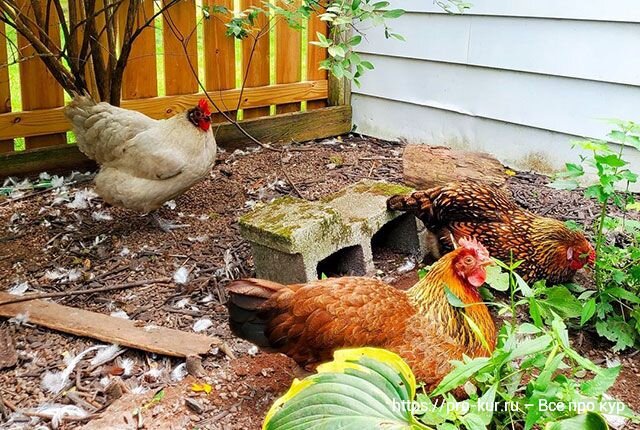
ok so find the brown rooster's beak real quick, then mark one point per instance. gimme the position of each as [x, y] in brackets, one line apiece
[487, 263]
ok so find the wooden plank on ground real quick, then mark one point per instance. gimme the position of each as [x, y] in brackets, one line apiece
[288, 58]
[38, 88]
[299, 126]
[258, 70]
[219, 55]
[5, 92]
[180, 27]
[34, 123]
[110, 329]
[315, 55]
[140, 76]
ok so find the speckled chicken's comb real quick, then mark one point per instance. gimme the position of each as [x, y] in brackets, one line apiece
[476, 246]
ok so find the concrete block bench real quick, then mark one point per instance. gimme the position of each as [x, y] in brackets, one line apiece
[293, 239]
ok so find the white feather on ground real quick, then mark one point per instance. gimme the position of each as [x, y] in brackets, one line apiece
[202, 325]
[54, 382]
[57, 412]
[106, 355]
[181, 276]
[179, 372]
[19, 289]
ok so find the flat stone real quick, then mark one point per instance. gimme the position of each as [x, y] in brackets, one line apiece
[290, 236]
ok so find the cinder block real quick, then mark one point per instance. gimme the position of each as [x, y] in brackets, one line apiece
[290, 237]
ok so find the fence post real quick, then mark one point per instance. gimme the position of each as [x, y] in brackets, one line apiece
[339, 88]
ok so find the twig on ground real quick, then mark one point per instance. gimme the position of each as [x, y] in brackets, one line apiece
[286, 175]
[89, 291]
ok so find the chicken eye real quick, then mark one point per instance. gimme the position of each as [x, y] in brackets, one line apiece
[468, 260]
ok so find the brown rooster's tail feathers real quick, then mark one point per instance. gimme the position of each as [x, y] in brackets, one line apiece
[246, 297]
[414, 202]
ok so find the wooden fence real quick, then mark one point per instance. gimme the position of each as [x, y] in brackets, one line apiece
[41, 121]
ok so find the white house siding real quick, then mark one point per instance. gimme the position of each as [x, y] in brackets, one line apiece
[513, 77]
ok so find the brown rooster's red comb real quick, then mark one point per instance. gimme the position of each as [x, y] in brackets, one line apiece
[204, 106]
[474, 245]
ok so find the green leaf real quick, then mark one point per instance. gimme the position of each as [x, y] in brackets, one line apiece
[497, 279]
[621, 293]
[618, 331]
[611, 160]
[534, 312]
[588, 421]
[562, 302]
[360, 388]
[367, 65]
[588, 309]
[355, 40]
[603, 380]
[452, 298]
[531, 346]
[523, 286]
[395, 13]
[461, 374]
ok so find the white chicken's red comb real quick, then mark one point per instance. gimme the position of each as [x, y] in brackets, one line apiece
[204, 106]
[473, 244]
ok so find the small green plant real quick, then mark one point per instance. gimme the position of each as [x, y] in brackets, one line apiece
[614, 306]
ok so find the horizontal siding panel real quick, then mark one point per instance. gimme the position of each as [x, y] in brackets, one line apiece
[564, 105]
[614, 10]
[602, 51]
[514, 145]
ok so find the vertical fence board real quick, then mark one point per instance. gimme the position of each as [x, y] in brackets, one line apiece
[39, 89]
[5, 91]
[315, 55]
[140, 77]
[180, 23]
[258, 71]
[288, 59]
[219, 55]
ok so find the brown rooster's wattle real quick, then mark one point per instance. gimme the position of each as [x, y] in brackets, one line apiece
[308, 322]
[547, 248]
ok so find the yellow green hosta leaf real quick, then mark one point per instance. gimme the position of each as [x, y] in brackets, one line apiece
[362, 388]
[588, 421]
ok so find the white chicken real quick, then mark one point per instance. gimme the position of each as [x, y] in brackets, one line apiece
[144, 162]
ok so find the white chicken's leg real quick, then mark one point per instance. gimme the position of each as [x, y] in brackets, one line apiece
[165, 225]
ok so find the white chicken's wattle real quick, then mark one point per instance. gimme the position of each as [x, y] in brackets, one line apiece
[143, 162]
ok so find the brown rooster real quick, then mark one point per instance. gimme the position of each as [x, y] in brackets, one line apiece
[309, 321]
[547, 248]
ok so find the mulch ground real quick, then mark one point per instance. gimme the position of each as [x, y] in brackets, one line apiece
[54, 247]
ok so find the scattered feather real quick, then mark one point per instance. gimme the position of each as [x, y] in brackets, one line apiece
[181, 276]
[120, 314]
[201, 239]
[54, 382]
[82, 199]
[19, 289]
[127, 366]
[125, 251]
[107, 354]
[612, 362]
[202, 325]
[408, 265]
[20, 319]
[74, 275]
[171, 204]
[182, 303]
[179, 373]
[105, 381]
[253, 350]
[57, 413]
[139, 389]
[55, 274]
[101, 216]
[154, 373]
